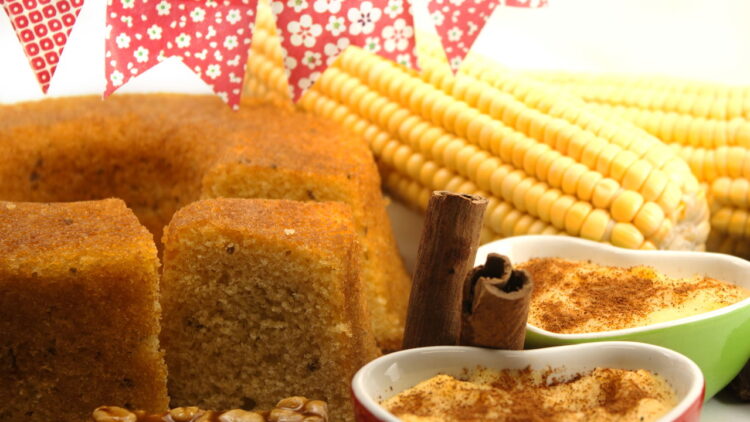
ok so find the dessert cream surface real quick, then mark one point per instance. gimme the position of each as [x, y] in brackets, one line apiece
[579, 297]
[514, 395]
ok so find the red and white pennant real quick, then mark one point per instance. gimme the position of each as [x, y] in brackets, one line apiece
[43, 27]
[212, 37]
[459, 22]
[314, 32]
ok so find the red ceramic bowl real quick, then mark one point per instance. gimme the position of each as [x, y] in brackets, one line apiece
[389, 375]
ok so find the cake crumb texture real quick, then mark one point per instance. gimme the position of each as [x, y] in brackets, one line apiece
[160, 152]
[79, 311]
[262, 299]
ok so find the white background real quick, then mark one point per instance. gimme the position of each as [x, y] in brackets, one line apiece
[696, 39]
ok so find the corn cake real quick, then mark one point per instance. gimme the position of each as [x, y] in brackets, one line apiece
[262, 299]
[79, 311]
[323, 162]
[160, 152]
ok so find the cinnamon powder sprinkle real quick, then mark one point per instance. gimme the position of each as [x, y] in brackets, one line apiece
[531, 395]
[578, 297]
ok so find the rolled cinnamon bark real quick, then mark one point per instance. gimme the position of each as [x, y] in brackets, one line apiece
[446, 253]
[495, 305]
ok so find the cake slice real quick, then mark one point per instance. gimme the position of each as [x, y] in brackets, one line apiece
[285, 153]
[79, 312]
[160, 152]
[263, 299]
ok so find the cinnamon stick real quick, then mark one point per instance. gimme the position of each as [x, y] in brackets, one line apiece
[447, 249]
[496, 305]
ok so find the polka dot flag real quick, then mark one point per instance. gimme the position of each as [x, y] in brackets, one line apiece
[212, 37]
[43, 27]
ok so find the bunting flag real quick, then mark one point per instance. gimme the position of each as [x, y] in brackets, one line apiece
[314, 32]
[42, 27]
[459, 22]
[212, 37]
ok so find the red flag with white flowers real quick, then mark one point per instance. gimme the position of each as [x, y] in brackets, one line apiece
[459, 22]
[314, 32]
[211, 37]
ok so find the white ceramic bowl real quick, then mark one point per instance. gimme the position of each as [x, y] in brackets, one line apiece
[390, 374]
[718, 341]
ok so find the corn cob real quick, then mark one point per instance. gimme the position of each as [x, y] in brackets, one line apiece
[699, 99]
[714, 143]
[547, 164]
[708, 125]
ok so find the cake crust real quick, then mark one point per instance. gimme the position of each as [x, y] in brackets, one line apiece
[263, 299]
[79, 311]
[160, 152]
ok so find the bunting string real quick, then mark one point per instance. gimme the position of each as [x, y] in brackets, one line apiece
[212, 37]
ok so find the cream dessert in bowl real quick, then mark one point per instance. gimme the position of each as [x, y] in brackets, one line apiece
[384, 378]
[717, 340]
[603, 394]
[573, 296]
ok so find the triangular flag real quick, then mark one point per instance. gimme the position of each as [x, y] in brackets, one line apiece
[459, 22]
[212, 38]
[43, 27]
[314, 33]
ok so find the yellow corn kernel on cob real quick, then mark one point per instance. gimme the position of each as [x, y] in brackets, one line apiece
[708, 125]
[546, 162]
[698, 99]
[682, 129]
[703, 123]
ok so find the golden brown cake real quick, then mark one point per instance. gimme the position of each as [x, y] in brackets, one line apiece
[159, 152]
[262, 299]
[79, 311]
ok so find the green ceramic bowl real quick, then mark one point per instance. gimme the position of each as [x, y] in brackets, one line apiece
[718, 341]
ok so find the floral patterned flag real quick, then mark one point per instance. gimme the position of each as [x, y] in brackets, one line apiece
[43, 27]
[526, 3]
[459, 22]
[314, 32]
[212, 37]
